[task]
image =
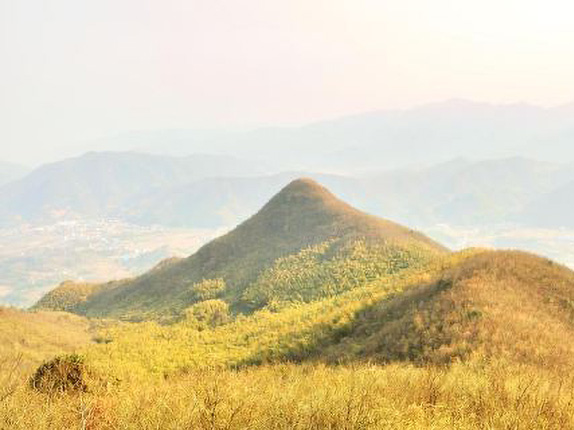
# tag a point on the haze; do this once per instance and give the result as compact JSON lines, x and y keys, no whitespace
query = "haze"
{"x":75,"y":72}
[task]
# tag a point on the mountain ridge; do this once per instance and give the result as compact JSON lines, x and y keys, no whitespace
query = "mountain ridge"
{"x":213,"y":191}
{"x":302,"y":215}
{"x":97,"y":183}
{"x":396,"y":138}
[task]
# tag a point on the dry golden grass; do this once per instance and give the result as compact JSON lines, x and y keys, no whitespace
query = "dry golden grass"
{"x":496,"y":304}
{"x":465,"y":396}
{"x":28,"y":338}
{"x":32,"y":337}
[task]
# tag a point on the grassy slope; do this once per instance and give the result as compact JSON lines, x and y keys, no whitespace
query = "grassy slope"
{"x":69,"y":294}
{"x":303,"y":214}
{"x":34,"y":336}
{"x":463,"y":306}
{"x":281,"y":331}
{"x":495,"y":304}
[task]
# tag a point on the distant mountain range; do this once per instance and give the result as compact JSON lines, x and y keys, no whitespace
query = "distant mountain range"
{"x":389,"y":139}
{"x":554,"y":209}
{"x":468,"y":193}
{"x":10,"y":172}
{"x":219,"y":191}
{"x":413,"y":165}
{"x":97,"y":184}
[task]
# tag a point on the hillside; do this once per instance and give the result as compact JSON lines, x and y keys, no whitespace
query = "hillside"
{"x":465,"y":307}
{"x":70,"y":294}
{"x":496,"y":304}
{"x":475,"y":339}
{"x":31,"y":337}
{"x":99,"y":184}
{"x":478,"y":339}
{"x":303,"y":227}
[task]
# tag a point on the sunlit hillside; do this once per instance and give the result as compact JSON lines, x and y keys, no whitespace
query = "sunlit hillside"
{"x":502,"y":305}
{"x":31,"y":337}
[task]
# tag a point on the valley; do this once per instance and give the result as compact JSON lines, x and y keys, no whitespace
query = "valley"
{"x":40,"y":257}
{"x":35,"y":258}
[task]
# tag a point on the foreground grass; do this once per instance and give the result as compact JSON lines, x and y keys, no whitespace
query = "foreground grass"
{"x":476,"y":395}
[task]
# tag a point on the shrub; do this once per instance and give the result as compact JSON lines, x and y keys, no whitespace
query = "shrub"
{"x":209,"y":313}
{"x":62,"y":374}
{"x":208,"y":289}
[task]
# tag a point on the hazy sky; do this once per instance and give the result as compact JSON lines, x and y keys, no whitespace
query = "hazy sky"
{"x":74,"y":70}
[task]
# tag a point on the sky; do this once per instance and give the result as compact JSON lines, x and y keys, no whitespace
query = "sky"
{"x":72,"y":71}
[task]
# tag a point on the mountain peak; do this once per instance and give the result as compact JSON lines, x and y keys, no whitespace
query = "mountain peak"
{"x":304,"y":183}
{"x":304,"y":189}
{"x":304,"y":205}
{"x":303,"y":214}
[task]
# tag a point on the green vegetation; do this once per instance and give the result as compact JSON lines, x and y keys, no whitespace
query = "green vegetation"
{"x":69,"y":295}
{"x":208,"y":313}
{"x":207,"y":289}
{"x":329,"y":269}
